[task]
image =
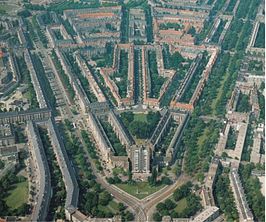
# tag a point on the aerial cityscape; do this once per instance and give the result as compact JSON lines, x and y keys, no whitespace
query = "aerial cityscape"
{"x":132,"y":110}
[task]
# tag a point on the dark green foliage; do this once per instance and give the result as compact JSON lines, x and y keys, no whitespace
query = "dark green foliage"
{"x":39,"y":31}
{"x":262,"y":105}
{"x":46,"y":18}
{"x":24,"y":13}
{"x":68,"y":27}
{"x":243,"y":103}
{"x":34,"y":7}
{"x":182,"y":191}
{"x":218,"y":32}
{"x":209,"y":23}
{"x":192,"y":31}
{"x":231,"y":6}
{"x":48,"y":92}
{"x":127,"y":117}
{"x":248,"y":144}
{"x":165,"y":26}
{"x":58,"y":34}
{"x":120,"y":150}
{"x":83,"y":80}
{"x":231,"y":140}
{"x":92,"y":198}
{"x":172,"y":61}
{"x":124,"y":25}
{"x":122,"y":74}
{"x":166,"y":140}
{"x":137,"y":74}
{"x":252,"y":187}
{"x":156,"y":80}
{"x":167,"y":208}
{"x":140,"y":129}
{"x":64,"y":78}
{"x":153,"y":178}
{"x":149,"y":28}
{"x":199,"y":155}
{"x":260,"y":40}
{"x":57,"y":183}
{"x":195,"y":79}
{"x":2,"y":164}
{"x":6,"y":183}
{"x":59,"y":7}
{"x":236,"y":38}
{"x":105,"y":60}
{"x":224,"y":196}
{"x":178,"y":63}
{"x":25,"y":78}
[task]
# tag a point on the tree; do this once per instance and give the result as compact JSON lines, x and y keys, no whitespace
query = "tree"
{"x":104,"y":198}
{"x":2,"y":164}
{"x":24,"y":13}
{"x":91,"y":201}
{"x":157,"y":217}
{"x":129,"y":216}
{"x":153,"y":178}
{"x":192,"y":31}
{"x":169,"y":204}
{"x":121,"y":207}
{"x":160,"y":207}
{"x":166,"y":180}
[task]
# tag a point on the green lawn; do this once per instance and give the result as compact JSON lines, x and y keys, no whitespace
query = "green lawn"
{"x":140,"y":189}
{"x":140,"y":117}
{"x":7,"y":8}
{"x":181,"y":205}
{"x":112,"y":206}
{"x":17,"y":195}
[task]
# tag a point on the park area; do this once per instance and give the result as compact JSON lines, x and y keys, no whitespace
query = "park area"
{"x":17,"y":195}
{"x":141,"y":125}
{"x":140,"y":189}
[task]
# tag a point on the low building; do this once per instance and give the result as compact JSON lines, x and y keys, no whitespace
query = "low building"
{"x":7,"y":136}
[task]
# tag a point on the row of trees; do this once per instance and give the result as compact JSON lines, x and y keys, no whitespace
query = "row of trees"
{"x":260,"y":40}
{"x":39,"y":31}
{"x":176,"y":26}
{"x":156,"y":80}
{"x":176,"y":62}
{"x":252,"y":187}
{"x":121,"y":77}
{"x":195,"y":79}
{"x":94,"y":200}
{"x":64,"y":78}
{"x":83,"y":80}
{"x":231,"y":6}
{"x":46,"y":88}
{"x":166,"y":140}
{"x":199,"y":140}
{"x":217,"y":34}
{"x":57,"y":203}
{"x":209,"y":23}
{"x":227,"y":66}
{"x":91,"y":195}
{"x":120,"y":150}
{"x":224,"y":195}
